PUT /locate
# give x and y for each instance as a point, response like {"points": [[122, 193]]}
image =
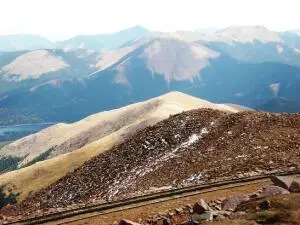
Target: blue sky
{"points": [[60, 19]]}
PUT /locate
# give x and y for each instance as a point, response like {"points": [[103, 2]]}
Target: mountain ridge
{"points": [[149, 66], [71, 151], [192, 146]]}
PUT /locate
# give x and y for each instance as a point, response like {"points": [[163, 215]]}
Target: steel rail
{"points": [[147, 198]]}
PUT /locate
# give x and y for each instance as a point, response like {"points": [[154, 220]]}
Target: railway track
{"points": [[104, 208]]}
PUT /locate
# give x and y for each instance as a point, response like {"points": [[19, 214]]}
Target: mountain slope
{"points": [[105, 41], [23, 42], [292, 39], [191, 146], [88, 138], [32, 65], [24, 70], [254, 44], [243, 72]]}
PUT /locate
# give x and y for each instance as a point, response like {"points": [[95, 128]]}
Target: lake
{"points": [[13, 132]]}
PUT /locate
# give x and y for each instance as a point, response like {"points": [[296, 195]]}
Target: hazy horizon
{"points": [[59, 20]]}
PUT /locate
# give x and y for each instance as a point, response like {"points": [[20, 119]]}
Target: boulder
{"points": [[283, 182], [295, 185], [208, 216], [201, 207], [230, 204], [128, 222], [273, 190]]}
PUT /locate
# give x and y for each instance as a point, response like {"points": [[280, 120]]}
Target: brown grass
{"points": [[40, 175]]}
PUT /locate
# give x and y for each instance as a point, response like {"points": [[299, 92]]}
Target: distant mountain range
{"points": [[23, 42], [93, 42], [105, 41], [246, 65]]}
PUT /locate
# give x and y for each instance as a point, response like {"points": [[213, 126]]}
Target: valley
{"points": [[14, 132]]}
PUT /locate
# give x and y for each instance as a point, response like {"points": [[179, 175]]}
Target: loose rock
{"points": [[232, 203], [208, 216], [273, 190], [284, 182], [128, 222], [201, 207], [295, 186]]}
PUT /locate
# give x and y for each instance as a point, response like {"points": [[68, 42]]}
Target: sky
{"points": [[62, 19]]}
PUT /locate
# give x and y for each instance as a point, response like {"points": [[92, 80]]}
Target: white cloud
{"points": [[65, 18]]}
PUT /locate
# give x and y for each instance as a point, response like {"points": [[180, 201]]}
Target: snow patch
{"points": [[239, 94], [241, 156], [275, 88], [192, 139], [194, 177], [246, 34], [152, 165], [297, 50], [279, 49], [243, 34]]}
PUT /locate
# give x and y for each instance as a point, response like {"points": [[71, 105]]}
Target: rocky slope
{"points": [[272, 204], [51, 142], [87, 138], [194, 147]]}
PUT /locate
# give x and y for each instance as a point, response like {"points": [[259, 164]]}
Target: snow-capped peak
{"points": [[245, 34]]}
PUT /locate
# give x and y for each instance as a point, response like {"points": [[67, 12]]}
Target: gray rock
{"points": [[230, 204], [295, 186], [128, 222], [208, 216], [273, 190], [283, 182], [201, 207]]}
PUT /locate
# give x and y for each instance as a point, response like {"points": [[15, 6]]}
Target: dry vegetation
{"points": [[40, 175]]}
